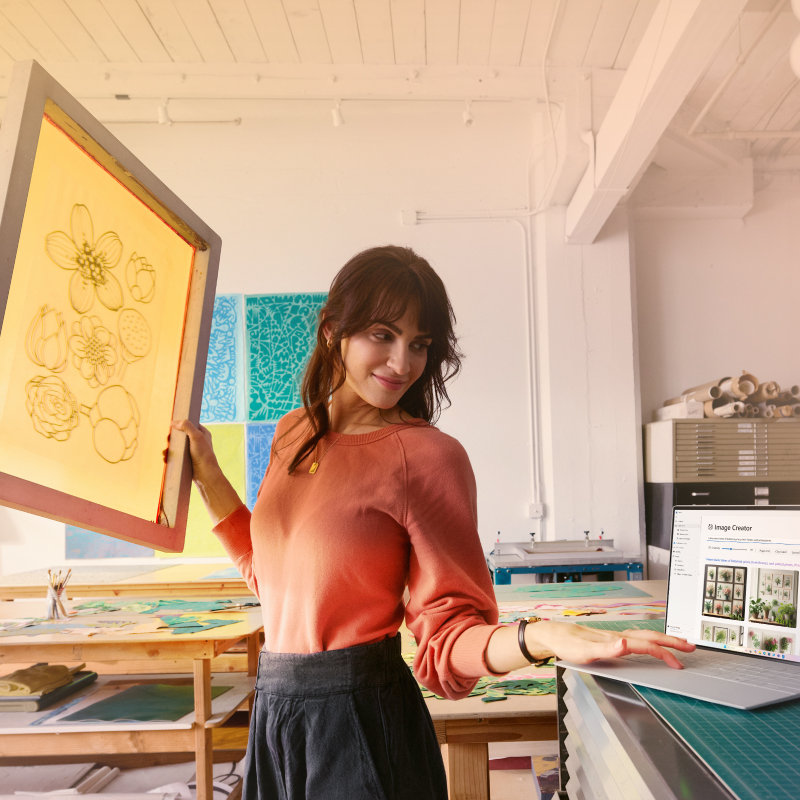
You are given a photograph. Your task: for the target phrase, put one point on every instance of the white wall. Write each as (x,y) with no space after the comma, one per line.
(590,431)
(293,197)
(719,296)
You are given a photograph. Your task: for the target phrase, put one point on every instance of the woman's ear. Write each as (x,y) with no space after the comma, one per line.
(327,330)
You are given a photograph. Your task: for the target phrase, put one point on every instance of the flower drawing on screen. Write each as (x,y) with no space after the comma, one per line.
(94,350)
(141,278)
(46,341)
(52,407)
(115,424)
(134,336)
(91,261)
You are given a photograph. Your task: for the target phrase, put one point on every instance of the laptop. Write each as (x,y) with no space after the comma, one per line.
(732,591)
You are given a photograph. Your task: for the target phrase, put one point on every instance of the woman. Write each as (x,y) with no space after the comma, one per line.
(366,517)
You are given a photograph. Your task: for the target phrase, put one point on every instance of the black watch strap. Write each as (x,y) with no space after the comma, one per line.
(523,623)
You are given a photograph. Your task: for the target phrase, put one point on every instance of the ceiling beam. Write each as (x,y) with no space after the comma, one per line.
(296,81)
(681,40)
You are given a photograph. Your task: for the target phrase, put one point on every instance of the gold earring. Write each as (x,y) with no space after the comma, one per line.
(329,344)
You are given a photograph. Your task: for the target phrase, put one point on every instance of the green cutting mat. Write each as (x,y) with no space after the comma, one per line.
(756,753)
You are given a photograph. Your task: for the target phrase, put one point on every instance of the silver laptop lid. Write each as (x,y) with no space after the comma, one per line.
(733,578)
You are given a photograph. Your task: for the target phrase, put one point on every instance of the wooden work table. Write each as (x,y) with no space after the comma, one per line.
(464,729)
(153,648)
(190,579)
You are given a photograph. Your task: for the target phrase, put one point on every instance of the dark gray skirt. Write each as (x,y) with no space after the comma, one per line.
(341,725)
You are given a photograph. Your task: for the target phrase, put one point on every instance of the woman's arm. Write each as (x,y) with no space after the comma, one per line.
(218,494)
(578,643)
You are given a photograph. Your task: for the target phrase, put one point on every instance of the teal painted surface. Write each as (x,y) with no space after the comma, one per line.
(279,338)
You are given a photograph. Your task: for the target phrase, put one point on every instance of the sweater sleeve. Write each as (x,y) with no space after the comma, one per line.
(233,532)
(451,610)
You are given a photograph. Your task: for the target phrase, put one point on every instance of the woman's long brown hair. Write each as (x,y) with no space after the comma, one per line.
(379,285)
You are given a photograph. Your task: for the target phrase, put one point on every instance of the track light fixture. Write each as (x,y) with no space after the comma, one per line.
(163,113)
(466,114)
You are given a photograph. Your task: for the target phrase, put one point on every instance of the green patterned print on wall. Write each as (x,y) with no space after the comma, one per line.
(280,336)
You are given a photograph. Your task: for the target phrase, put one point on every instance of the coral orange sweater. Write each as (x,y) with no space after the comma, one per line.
(330,555)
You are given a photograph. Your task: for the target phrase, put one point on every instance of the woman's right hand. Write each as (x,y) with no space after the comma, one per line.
(579,643)
(216,490)
(205,467)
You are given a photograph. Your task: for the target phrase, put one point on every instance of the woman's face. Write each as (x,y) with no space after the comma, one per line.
(383,361)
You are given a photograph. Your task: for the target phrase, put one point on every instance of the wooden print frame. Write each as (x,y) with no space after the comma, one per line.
(107,284)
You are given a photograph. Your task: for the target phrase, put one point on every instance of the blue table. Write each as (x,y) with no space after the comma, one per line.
(633,569)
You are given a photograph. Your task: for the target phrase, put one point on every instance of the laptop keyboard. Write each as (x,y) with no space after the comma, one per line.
(769,673)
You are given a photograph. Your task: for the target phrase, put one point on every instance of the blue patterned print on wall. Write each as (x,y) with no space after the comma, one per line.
(280,335)
(258,438)
(223,391)
(80,543)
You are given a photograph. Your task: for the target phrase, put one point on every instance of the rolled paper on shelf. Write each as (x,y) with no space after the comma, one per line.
(784,411)
(701,395)
(741,386)
(796,409)
(729,409)
(794,391)
(708,391)
(768,411)
(748,383)
(752,411)
(765,391)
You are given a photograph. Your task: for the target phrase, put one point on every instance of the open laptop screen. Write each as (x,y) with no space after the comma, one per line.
(733,578)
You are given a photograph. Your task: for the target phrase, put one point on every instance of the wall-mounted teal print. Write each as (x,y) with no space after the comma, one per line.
(223,390)
(280,336)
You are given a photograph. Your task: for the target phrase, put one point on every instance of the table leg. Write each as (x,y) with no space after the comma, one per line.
(467,767)
(203,751)
(253,649)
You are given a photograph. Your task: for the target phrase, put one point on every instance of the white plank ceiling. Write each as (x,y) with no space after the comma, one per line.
(717,70)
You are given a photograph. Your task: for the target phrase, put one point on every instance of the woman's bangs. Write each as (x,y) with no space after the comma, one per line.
(397,295)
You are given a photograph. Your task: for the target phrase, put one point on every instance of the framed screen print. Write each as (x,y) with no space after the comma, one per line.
(106,295)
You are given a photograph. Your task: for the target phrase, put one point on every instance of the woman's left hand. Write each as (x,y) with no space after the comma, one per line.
(580,644)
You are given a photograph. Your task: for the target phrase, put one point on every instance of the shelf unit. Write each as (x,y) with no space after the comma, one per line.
(196,734)
(717,462)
